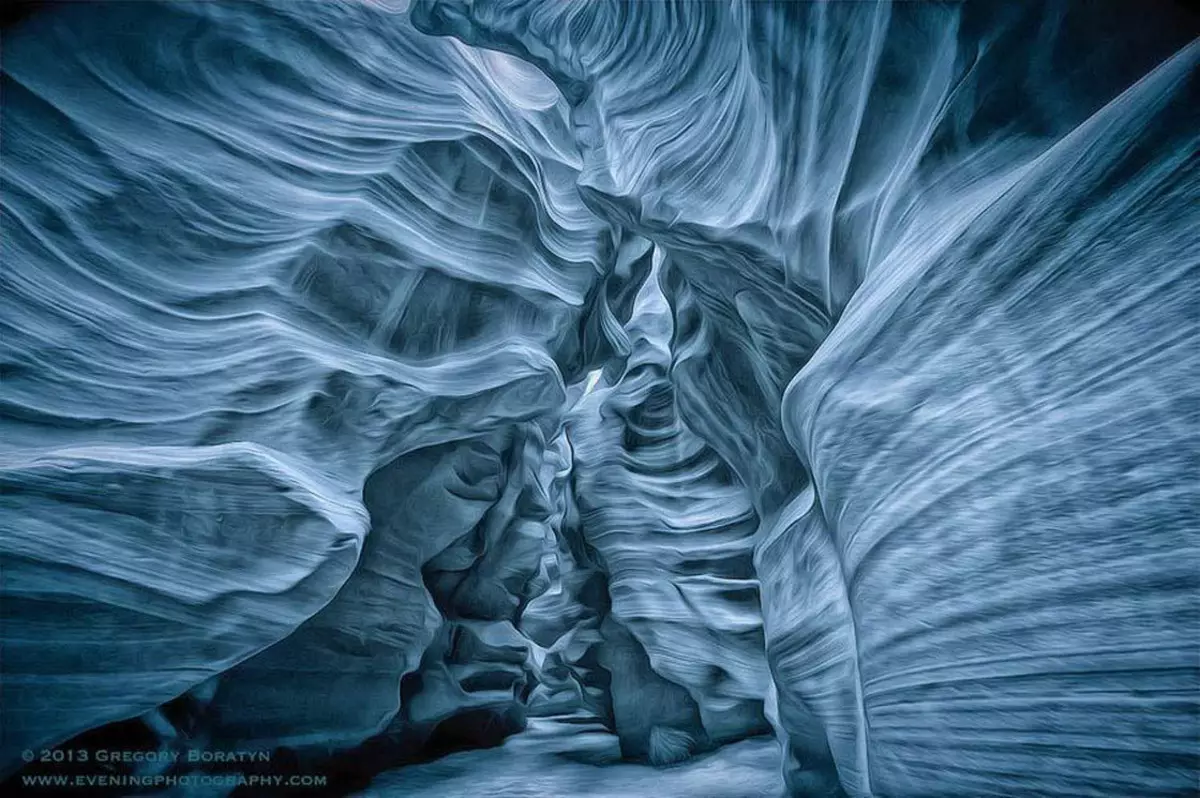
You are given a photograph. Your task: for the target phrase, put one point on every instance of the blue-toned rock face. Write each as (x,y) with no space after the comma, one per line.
(378,381)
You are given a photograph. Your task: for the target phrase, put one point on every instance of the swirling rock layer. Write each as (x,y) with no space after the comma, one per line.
(374,377)
(913,251)
(671,531)
(246,311)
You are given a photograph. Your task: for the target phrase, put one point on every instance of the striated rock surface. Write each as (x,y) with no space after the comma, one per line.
(1016,559)
(671,532)
(264,290)
(374,379)
(931,283)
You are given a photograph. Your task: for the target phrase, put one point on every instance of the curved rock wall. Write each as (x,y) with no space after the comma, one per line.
(1051,633)
(671,531)
(930,280)
(250,314)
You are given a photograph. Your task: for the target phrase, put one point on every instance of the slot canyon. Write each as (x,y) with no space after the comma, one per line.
(621,398)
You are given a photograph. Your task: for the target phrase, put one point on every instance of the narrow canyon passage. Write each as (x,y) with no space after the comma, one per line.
(674,399)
